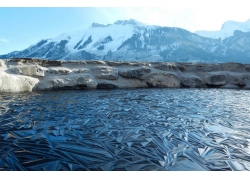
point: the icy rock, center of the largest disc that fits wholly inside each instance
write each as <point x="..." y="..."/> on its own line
<point x="16" y="83"/>
<point x="35" y="71"/>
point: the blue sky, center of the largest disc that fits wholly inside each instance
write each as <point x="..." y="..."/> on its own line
<point x="23" y="24"/>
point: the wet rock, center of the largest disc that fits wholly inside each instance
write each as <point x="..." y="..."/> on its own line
<point x="34" y="71"/>
<point x="192" y="67"/>
<point x="192" y="81"/>
<point x="105" y="85"/>
<point x="166" y="66"/>
<point x="140" y="73"/>
<point x="105" y="72"/>
<point x="163" y="80"/>
<point x="233" y="67"/>
<point x="75" y="87"/>
<point x="216" y="79"/>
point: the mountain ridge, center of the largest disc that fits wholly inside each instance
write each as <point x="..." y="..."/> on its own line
<point x="227" y="29"/>
<point x="131" y="40"/>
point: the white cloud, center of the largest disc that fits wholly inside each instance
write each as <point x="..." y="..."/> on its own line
<point x="4" y="40"/>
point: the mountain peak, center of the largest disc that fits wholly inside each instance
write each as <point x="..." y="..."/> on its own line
<point x="130" y="21"/>
<point x="97" y="25"/>
<point x="227" y="29"/>
<point x="243" y="25"/>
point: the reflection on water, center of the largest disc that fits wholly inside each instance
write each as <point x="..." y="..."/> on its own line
<point x="143" y="129"/>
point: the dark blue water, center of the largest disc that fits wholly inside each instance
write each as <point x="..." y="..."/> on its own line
<point x="140" y="129"/>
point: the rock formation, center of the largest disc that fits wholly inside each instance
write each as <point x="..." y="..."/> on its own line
<point x="27" y="74"/>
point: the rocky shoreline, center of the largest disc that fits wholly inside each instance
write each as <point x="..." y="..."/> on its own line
<point x="28" y="74"/>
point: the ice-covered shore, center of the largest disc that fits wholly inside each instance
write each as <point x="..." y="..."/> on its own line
<point x="17" y="75"/>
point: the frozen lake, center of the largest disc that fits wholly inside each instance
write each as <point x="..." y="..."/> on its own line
<point x="131" y="129"/>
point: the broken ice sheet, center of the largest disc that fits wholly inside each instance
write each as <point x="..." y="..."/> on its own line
<point x="186" y="130"/>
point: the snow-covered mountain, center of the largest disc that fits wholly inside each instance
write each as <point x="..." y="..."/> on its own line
<point x="227" y="29"/>
<point x="130" y="40"/>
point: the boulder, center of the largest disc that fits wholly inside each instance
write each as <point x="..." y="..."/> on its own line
<point x="105" y="85"/>
<point x="105" y="72"/>
<point x="163" y="79"/>
<point x="140" y="73"/>
<point x="237" y="80"/>
<point x="192" y="81"/>
<point x="16" y="83"/>
<point x="34" y="71"/>
<point x="216" y="79"/>
<point x="80" y="82"/>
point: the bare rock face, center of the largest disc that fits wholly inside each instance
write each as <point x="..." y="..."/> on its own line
<point x="192" y="81"/>
<point x="105" y="72"/>
<point x="34" y="71"/>
<point x="233" y="67"/>
<point x="105" y="85"/>
<point x="216" y="79"/>
<point x="163" y="79"/>
<point x="140" y="73"/>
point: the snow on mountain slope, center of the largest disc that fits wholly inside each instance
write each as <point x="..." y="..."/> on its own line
<point x="227" y="29"/>
<point x="130" y="40"/>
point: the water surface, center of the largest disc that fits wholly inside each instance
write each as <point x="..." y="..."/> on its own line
<point x="138" y="129"/>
